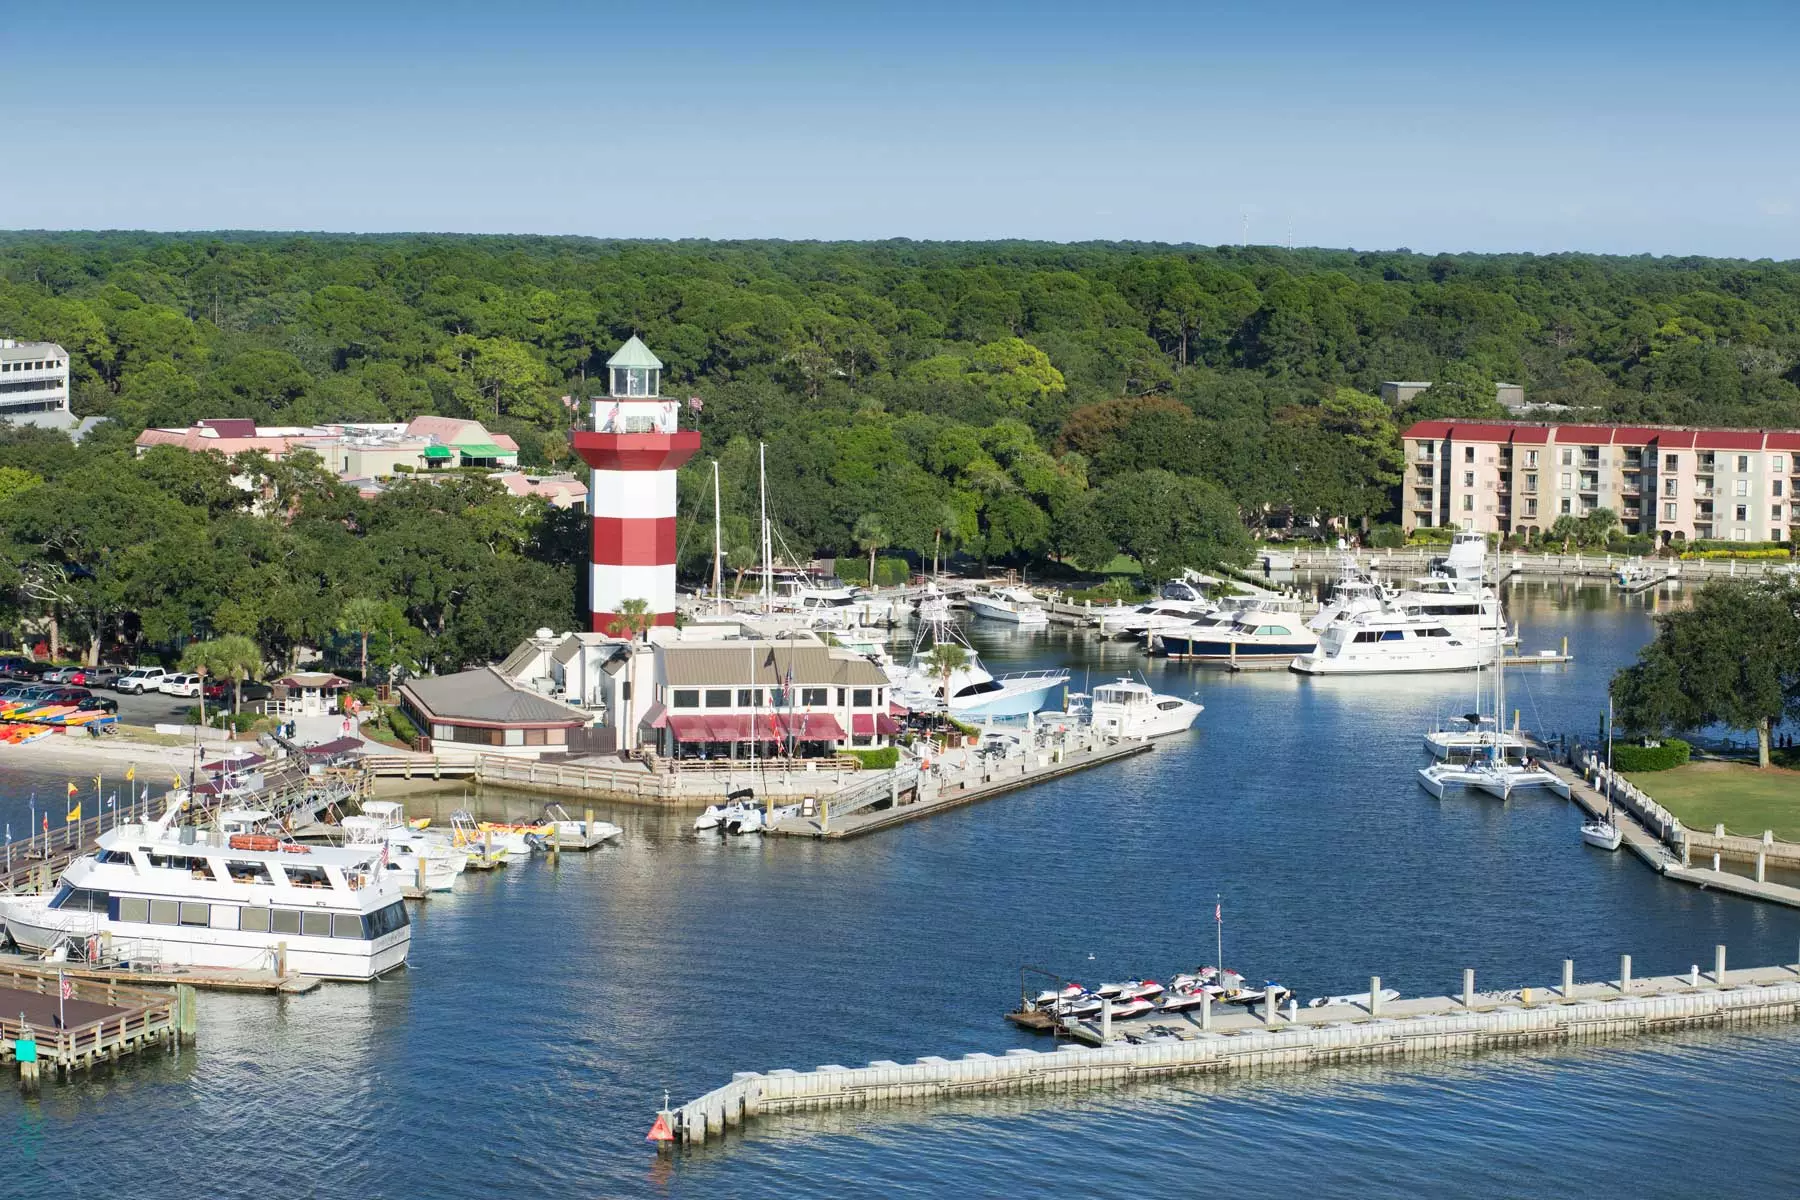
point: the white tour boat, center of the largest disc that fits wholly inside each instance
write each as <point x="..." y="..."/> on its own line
<point x="202" y="898"/>
<point x="1128" y="709"/>
<point x="1016" y="606"/>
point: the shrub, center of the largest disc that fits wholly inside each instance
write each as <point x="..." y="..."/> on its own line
<point x="402" y="726"/>
<point x="883" y="759"/>
<point x="1673" y="752"/>
<point x="364" y="693"/>
<point x="889" y="572"/>
<point x="1387" y="537"/>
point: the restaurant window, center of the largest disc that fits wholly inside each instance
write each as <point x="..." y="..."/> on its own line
<point x="534" y="737"/>
<point x="747" y="698"/>
<point x="718" y="697"/>
<point x="862" y="697"/>
<point x="840" y="697"/>
<point x="814" y="697"/>
<point x="686" y="698"/>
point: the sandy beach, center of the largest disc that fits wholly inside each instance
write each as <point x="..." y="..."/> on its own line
<point x="111" y="756"/>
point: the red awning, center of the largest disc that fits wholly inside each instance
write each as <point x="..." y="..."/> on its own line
<point x="866" y="724"/>
<point x="656" y="718"/>
<point x="690" y="729"/>
<point x="896" y="709"/>
<point x="766" y="727"/>
<point x="813" y="727"/>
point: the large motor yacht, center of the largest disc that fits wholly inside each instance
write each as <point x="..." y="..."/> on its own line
<point x="204" y="898"/>
<point x="1249" y="634"/>
<point x="1389" y="641"/>
<point x="971" y="691"/>
<point x="1016" y="606"/>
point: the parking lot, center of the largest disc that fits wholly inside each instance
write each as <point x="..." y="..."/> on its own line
<point x="150" y="708"/>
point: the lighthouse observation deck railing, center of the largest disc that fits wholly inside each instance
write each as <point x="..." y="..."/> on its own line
<point x="636" y="414"/>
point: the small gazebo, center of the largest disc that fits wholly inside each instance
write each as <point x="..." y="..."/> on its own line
<point x="308" y="694"/>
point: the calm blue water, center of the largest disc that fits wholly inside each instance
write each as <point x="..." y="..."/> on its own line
<point x="547" y="1008"/>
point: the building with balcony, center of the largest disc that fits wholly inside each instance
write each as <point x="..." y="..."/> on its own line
<point x="1673" y="483"/>
<point x="34" y="378"/>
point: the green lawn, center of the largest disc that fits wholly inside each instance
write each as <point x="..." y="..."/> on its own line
<point x="1747" y="800"/>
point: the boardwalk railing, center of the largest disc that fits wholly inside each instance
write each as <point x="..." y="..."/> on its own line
<point x="886" y="785"/>
<point x="636" y="782"/>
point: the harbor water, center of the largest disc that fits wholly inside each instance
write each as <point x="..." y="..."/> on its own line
<point x="548" y="1007"/>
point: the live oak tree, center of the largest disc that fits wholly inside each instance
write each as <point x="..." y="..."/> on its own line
<point x="1731" y="659"/>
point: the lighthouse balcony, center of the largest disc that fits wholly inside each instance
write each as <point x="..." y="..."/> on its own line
<point x="660" y="451"/>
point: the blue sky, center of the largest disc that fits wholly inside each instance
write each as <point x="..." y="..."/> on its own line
<point x="1605" y="126"/>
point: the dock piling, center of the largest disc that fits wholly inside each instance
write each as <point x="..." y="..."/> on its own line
<point x="1206" y="1009"/>
<point x="1106" y="1019"/>
<point x="1625" y="973"/>
<point x="1568" y="980"/>
<point x="1719" y="965"/>
<point x="1374" y="995"/>
<point x="1268" y="1005"/>
<point x="1762" y="860"/>
<point x="187" y="1014"/>
<point x="1468" y="987"/>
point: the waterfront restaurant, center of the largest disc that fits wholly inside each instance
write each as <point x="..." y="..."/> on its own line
<point x="765" y="698"/>
<point x="488" y="711"/>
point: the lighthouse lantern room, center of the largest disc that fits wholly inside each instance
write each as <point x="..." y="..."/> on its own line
<point x="634" y="448"/>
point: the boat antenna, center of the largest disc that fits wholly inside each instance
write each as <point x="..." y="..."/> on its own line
<point x="1219" y="932"/>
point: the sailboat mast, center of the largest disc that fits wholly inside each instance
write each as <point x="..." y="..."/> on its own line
<point x="762" y="494"/>
<point x="718" y="554"/>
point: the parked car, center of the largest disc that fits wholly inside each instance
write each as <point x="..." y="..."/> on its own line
<point x="23" y="668"/>
<point x="103" y="676"/>
<point x="220" y="690"/>
<point x="65" y="694"/>
<point x="139" y="680"/>
<point x="65" y="675"/>
<point x="105" y="704"/>
<point x="184" y="684"/>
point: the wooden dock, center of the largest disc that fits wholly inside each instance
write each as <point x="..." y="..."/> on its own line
<point x="210" y="979"/>
<point x="940" y="790"/>
<point x="97" y="1022"/>
<point x="1563" y="1013"/>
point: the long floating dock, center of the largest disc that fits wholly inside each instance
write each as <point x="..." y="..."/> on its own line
<point x="935" y="793"/>
<point x="1240" y="1041"/>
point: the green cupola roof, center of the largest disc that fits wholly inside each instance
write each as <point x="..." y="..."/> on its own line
<point x="634" y="354"/>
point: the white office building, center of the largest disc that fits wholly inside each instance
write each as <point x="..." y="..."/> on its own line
<point x="34" y="378"/>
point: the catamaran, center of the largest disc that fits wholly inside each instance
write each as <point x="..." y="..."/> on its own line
<point x="206" y="898"/>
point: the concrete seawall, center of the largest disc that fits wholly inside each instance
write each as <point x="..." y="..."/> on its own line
<point x="1292" y="1039"/>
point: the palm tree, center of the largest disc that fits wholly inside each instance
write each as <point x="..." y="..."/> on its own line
<point x="945" y="658"/>
<point x="362" y="616"/>
<point x="871" y="534"/>
<point x="634" y="619"/>
<point x="232" y="656"/>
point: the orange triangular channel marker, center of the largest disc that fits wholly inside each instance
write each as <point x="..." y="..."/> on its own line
<point x="660" y="1131"/>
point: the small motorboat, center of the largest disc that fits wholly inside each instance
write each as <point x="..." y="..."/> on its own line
<point x="1080" y="1008"/>
<point x="1360" y="999"/>
<point x="747" y="818"/>
<point x="1130" y="990"/>
<point x="712" y="818"/>
<point x="1174" y="1002"/>
<point x="1602" y="833"/>
<point x="570" y="831"/>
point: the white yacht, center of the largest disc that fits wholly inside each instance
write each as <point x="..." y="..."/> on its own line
<point x="1129" y="709"/>
<point x="407" y="853"/>
<point x="1467" y="559"/>
<point x="1388" y="641"/>
<point x="971" y="692"/>
<point x="201" y="898"/>
<point x="1354" y="589"/>
<point x="1015" y="606"/>
<point x="1143" y="620"/>
<point x="1248" y="635"/>
<point x="932" y="605"/>
<point x="1469" y="610"/>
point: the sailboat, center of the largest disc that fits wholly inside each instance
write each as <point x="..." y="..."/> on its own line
<point x="1604" y="832"/>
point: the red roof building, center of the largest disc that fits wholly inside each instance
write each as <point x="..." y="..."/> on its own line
<point x="1515" y="477"/>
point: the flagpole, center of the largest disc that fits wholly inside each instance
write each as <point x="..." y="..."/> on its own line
<point x="1219" y="930"/>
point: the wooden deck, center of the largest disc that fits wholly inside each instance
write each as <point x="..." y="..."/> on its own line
<point x="99" y="1022"/>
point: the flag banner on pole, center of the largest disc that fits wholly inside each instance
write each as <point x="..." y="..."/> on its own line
<point x="71" y="787"/>
<point x="75" y="814"/>
<point x="131" y="772"/>
<point x="68" y="988"/>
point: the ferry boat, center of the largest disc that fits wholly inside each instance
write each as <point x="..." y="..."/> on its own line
<point x="1250" y="634"/>
<point x="1388" y="642"/>
<point x="1128" y="709"/>
<point x="204" y="898"/>
<point x="1015" y="606"/>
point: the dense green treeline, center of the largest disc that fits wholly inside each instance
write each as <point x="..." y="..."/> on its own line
<point x="1008" y="401"/>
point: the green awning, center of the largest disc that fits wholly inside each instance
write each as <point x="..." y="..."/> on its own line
<point x="437" y="452"/>
<point x="483" y="450"/>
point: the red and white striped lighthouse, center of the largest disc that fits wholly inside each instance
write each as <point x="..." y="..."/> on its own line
<point x="634" y="449"/>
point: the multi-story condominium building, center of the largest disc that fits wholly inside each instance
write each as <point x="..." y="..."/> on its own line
<point x="34" y="378"/>
<point x="1512" y="477"/>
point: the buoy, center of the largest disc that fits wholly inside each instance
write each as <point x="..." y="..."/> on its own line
<point x="660" y="1131"/>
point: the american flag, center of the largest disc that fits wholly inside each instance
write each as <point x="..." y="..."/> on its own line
<point x="695" y="404"/>
<point x="1219" y="913"/>
<point x="384" y="855"/>
<point x="68" y="986"/>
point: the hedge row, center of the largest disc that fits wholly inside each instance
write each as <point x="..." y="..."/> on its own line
<point x="886" y="758"/>
<point x="1672" y="753"/>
